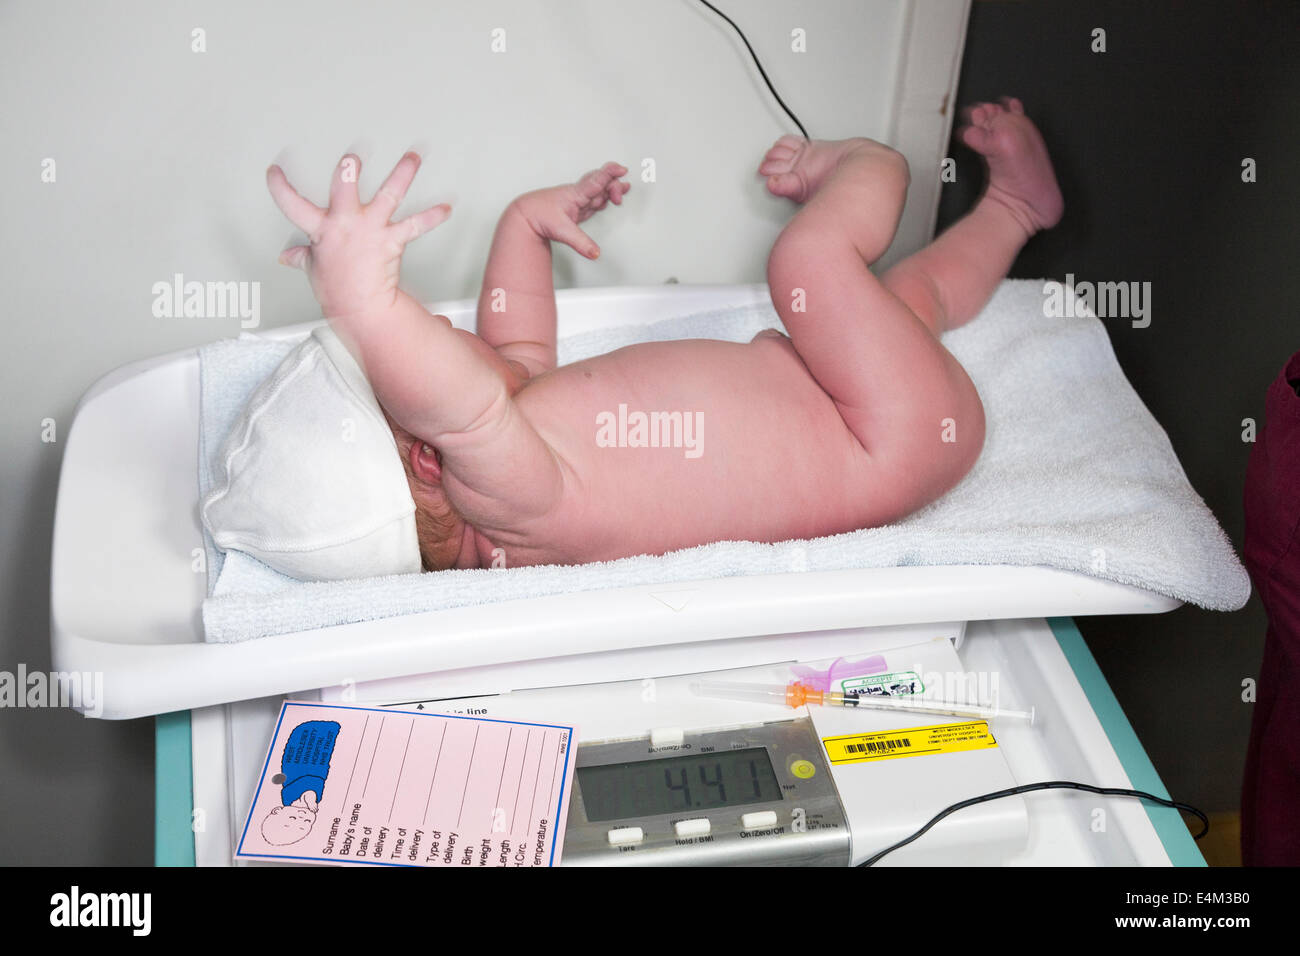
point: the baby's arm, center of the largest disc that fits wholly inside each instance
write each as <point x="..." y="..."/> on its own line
<point x="443" y="385"/>
<point x="516" y="308"/>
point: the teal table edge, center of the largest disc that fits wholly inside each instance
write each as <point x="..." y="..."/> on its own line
<point x="1168" y="822"/>
<point x="174" y="772"/>
<point x="173" y="791"/>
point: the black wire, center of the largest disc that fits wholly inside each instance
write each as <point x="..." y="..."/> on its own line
<point x="761" y="71"/>
<point x="1050" y="785"/>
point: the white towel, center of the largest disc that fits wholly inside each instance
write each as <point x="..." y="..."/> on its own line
<point x="1075" y="474"/>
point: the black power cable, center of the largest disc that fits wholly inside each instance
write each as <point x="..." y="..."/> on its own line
<point x="761" y="71"/>
<point x="1050" y="785"/>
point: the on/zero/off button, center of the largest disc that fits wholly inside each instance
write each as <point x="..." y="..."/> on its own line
<point x="758" y="819"/>
<point x="620" y="836"/>
<point x="667" y="737"/>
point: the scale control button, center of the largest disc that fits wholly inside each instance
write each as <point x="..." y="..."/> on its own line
<point x="620" y="836"/>
<point x="758" y="820"/>
<point x="667" y="737"/>
<point x="692" y="828"/>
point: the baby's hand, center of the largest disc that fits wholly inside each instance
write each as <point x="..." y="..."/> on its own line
<point x="355" y="256"/>
<point x="555" y="213"/>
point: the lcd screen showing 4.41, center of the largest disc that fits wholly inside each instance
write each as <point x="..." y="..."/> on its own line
<point x="647" y="788"/>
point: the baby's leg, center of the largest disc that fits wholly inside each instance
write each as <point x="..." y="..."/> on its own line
<point x="948" y="282"/>
<point x="908" y="402"/>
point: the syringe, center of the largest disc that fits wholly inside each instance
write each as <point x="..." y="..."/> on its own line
<point x="796" y="694"/>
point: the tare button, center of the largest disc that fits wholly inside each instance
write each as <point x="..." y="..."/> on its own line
<point x="621" y="836"/>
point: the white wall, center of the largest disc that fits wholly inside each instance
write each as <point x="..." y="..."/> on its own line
<point x="160" y="155"/>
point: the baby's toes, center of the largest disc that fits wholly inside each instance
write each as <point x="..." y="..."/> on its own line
<point x="782" y="155"/>
<point x="787" y="184"/>
<point x="977" y="138"/>
<point x="777" y="160"/>
<point x="983" y="114"/>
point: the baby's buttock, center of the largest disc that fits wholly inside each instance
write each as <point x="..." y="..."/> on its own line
<point x="673" y="444"/>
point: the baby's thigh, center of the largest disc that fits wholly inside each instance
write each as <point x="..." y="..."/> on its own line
<point x="928" y="438"/>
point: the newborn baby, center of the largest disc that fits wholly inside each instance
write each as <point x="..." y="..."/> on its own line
<point x="857" y="419"/>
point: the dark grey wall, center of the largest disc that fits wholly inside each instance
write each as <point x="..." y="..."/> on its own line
<point x="1148" y="139"/>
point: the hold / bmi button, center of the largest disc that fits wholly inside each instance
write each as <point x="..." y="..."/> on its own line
<point x="692" y="828"/>
<point x="620" y="836"/>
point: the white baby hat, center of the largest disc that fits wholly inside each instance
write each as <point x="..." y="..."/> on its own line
<point x="309" y="480"/>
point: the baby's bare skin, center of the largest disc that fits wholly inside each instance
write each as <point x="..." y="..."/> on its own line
<point x="768" y="430"/>
<point x="857" y="419"/>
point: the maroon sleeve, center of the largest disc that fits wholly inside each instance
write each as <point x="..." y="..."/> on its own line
<point x="1270" y="806"/>
<point x="1272" y="498"/>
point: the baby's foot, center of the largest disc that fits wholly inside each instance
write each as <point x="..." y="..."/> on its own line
<point x="1020" y="171"/>
<point x="796" y="167"/>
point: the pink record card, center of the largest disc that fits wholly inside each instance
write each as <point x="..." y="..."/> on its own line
<point x="370" y="785"/>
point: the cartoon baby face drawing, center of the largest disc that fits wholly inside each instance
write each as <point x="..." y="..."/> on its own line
<point x="285" y="825"/>
<point x="304" y="767"/>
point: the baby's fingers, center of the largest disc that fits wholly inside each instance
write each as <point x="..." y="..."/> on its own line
<point x="394" y="189"/>
<point x="296" y="256"/>
<point x="595" y="183"/>
<point x="303" y="214"/>
<point x="567" y="232"/>
<point x="414" y="226"/>
<point x="343" y="187"/>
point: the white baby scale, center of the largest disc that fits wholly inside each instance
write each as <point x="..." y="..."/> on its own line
<point x="126" y="595"/>
<point x="126" y="603"/>
<point x="127" y="585"/>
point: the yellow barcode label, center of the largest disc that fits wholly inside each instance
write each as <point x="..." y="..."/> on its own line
<point x="913" y="742"/>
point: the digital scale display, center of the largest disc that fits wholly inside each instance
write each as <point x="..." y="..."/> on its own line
<point x="647" y="788"/>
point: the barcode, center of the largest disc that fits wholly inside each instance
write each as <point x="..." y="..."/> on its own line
<point x="876" y="746"/>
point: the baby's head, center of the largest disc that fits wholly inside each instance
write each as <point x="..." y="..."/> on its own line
<point x="306" y="481"/>
<point x="438" y="527"/>
<point x="285" y="825"/>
